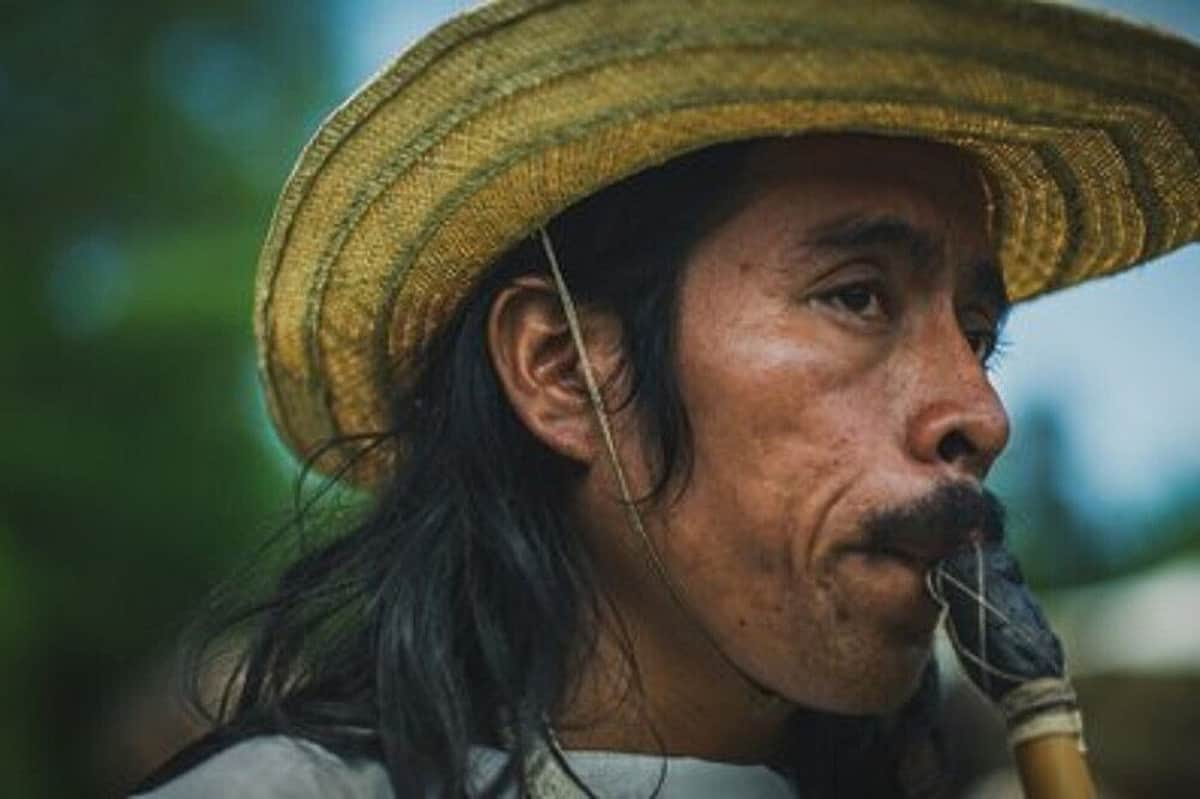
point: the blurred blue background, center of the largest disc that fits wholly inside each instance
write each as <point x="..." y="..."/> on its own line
<point x="142" y="150"/>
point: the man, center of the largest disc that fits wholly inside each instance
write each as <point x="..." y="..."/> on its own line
<point x="659" y="330"/>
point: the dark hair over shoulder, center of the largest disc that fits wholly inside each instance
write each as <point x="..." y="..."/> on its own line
<point x="447" y="615"/>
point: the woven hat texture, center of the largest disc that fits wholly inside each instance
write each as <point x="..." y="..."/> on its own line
<point x="1087" y="130"/>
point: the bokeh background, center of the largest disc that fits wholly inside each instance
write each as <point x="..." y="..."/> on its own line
<point x="142" y="147"/>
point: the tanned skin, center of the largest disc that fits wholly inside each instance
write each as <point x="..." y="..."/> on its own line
<point x="831" y="343"/>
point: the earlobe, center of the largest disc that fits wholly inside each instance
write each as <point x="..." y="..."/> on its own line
<point x="538" y="368"/>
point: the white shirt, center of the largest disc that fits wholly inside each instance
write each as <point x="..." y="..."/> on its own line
<point x="277" y="767"/>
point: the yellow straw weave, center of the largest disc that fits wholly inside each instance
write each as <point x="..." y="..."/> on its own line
<point x="1088" y="130"/>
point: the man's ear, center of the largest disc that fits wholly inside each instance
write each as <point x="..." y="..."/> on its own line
<point x="538" y="366"/>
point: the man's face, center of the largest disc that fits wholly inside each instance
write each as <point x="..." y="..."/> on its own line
<point x="830" y="346"/>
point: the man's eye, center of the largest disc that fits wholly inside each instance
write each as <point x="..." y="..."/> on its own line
<point x="982" y="343"/>
<point x="860" y="299"/>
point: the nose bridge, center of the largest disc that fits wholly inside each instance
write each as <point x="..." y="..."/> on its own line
<point x="958" y="420"/>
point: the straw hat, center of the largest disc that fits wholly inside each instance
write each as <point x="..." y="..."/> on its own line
<point x="1087" y="130"/>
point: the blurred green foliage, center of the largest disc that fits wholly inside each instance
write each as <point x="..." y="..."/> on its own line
<point x="1066" y="540"/>
<point x="142" y="149"/>
<point x="143" y="145"/>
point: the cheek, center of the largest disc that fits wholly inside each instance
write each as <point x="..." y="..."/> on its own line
<point x="774" y="489"/>
<point x="781" y="429"/>
<point x="755" y="369"/>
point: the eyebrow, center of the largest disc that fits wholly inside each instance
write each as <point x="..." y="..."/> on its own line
<point x="862" y="231"/>
<point x="857" y="231"/>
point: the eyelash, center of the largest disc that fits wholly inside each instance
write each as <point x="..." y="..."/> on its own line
<point x="992" y="358"/>
<point x="994" y="349"/>
<point x="835" y="297"/>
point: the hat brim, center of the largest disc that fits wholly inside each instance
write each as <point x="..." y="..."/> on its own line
<point x="1087" y="130"/>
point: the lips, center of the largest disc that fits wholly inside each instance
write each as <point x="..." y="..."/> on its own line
<point x="916" y="561"/>
<point x="923" y="553"/>
<point x="920" y="554"/>
<point x="890" y="586"/>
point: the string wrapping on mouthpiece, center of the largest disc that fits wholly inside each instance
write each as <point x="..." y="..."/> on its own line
<point x="1004" y="642"/>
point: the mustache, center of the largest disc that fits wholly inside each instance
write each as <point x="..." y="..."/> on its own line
<point x="951" y="516"/>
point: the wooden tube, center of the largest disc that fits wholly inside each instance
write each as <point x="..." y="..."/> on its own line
<point x="1052" y="767"/>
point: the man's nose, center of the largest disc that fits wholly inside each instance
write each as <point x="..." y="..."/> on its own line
<point x="960" y="424"/>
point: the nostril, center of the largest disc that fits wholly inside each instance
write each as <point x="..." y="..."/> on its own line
<point x="955" y="446"/>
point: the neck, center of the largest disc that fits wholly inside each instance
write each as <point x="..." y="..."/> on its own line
<point x="633" y="695"/>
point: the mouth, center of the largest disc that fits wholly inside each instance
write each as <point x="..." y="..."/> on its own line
<point x="918" y="555"/>
<point x="875" y="553"/>
<point x="892" y="581"/>
<point x="921" y="550"/>
<point x="931" y="529"/>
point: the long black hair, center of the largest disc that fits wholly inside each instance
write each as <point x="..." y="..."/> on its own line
<point x="449" y="614"/>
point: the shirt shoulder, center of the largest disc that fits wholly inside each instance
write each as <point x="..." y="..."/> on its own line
<point x="276" y="767"/>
